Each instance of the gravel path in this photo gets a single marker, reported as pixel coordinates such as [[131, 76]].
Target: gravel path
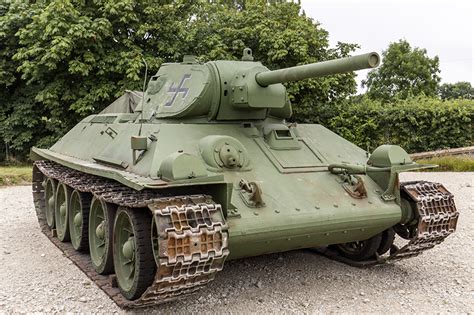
[[35, 277]]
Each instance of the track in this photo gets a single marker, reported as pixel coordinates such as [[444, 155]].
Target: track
[[437, 218], [192, 234]]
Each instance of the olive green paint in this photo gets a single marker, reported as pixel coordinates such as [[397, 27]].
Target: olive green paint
[[220, 126]]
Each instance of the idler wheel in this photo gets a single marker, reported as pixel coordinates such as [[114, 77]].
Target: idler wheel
[[101, 220], [79, 219], [49, 197], [360, 250], [61, 205], [405, 231], [387, 241], [133, 255]]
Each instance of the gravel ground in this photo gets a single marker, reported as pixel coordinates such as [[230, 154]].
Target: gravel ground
[[35, 277]]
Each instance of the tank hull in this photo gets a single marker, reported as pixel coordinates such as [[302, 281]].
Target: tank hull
[[304, 204]]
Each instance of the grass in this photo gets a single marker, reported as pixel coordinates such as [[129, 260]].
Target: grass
[[15, 175], [450, 164]]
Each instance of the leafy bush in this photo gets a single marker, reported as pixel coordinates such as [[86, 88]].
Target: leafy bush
[[417, 124]]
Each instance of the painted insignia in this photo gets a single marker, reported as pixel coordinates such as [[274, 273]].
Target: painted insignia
[[175, 90]]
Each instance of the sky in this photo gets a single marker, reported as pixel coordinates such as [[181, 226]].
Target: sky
[[445, 28]]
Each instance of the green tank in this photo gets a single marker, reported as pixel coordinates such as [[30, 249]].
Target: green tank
[[151, 198]]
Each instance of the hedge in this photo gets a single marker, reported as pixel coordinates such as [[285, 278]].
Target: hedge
[[417, 124]]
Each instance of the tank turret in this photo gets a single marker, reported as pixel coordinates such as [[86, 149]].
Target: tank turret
[[221, 89]]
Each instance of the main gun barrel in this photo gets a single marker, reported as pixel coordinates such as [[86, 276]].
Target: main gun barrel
[[319, 69]]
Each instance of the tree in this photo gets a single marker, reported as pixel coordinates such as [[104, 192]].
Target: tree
[[21, 121], [456, 90], [405, 72], [65, 59]]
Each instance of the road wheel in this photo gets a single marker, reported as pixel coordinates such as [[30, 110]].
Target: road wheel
[[49, 197], [79, 219], [133, 255], [101, 220], [360, 250], [61, 204]]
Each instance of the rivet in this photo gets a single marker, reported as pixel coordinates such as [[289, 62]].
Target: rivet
[[288, 239], [241, 98], [335, 205], [362, 230], [345, 232], [277, 211], [327, 234], [317, 207], [256, 213], [370, 202], [297, 209], [240, 88]]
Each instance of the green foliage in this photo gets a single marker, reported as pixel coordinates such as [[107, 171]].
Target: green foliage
[[450, 164], [417, 124], [62, 60], [69, 59], [24, 122], [405, 72], [456, 90]]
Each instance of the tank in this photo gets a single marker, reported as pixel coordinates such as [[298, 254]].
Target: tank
[[150, 199]]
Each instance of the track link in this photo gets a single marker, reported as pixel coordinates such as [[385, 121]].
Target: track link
[[437, 219], [192, 234]]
